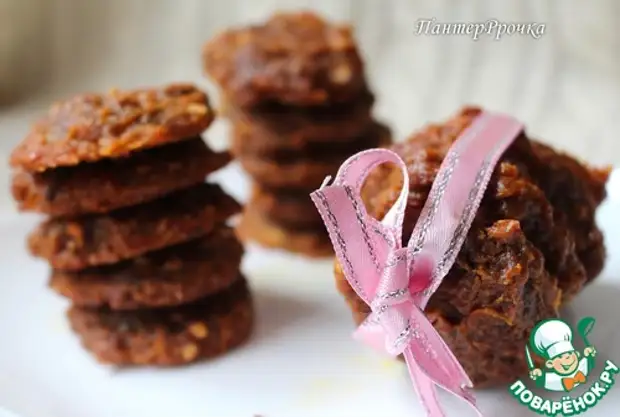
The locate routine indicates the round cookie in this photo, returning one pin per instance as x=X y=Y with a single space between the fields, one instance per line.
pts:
x=313 y=243
x=110 y=184
x=277 y=127
x=73 y=244
x=303 y=174
x=293 y=58
x=303 y=171
x=175 y=275
x=169 y=336
x=91 y=127
x=247 y=141
x=289 y=208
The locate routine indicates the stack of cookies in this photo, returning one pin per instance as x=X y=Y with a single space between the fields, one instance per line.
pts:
x=135 y=237
x=295 y=92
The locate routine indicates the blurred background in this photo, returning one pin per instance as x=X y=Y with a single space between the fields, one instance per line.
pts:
x=565 y=85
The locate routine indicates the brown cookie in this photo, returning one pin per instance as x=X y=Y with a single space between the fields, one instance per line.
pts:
x=275 y=127
x=73 y=244
x=313 y=243
x=246 y=142
x=293 y=58
x=110 y=184
x=175 y=275
x=308 y=171
x=167 y=336
x=306 y=174
x=290 y=208
x=91 y=127
x=587 y=190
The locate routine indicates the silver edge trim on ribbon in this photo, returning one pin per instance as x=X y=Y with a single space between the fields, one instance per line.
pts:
x=342 y=245
x=467 y=215
x=360 y=220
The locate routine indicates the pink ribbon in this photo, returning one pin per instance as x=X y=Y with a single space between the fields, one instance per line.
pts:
x=397 y=282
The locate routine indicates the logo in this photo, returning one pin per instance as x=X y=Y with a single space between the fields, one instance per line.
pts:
x=564 y=369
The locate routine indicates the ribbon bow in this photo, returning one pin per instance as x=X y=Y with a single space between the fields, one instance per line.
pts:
x=397 y=282
x=570 y=383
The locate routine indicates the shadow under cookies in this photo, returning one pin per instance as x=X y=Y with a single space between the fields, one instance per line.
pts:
x=275 y=312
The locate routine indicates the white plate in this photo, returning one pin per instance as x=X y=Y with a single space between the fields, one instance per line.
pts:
x=300 y=363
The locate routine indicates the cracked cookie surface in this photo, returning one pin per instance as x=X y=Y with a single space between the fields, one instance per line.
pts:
x=91 y=127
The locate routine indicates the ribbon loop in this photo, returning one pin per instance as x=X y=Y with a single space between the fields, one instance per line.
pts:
x=378 y=238
x=355 y=170
x=397 y=282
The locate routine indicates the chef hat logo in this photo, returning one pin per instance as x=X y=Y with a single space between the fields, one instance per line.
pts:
x=552 y=338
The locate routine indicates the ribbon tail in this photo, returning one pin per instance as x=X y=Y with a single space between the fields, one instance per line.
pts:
x=435 y=360
x=424 y=386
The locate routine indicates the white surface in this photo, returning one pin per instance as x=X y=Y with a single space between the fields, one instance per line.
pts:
x=300 y=363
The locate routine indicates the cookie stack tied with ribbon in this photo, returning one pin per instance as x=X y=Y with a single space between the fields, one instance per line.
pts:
x=296 y=95
x=483 y=234
x=137 y=240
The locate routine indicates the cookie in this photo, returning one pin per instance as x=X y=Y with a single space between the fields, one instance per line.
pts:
x=246 y=142
x=314 y=243
x=73 y=244
x=289 y=208
x=293 y=58
x=304 y=174
x=175 y=275
x=276 y=127
x=579 y=190
x=168 y=336
x=307 y=171
x=110 y=184
x=92 y=127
